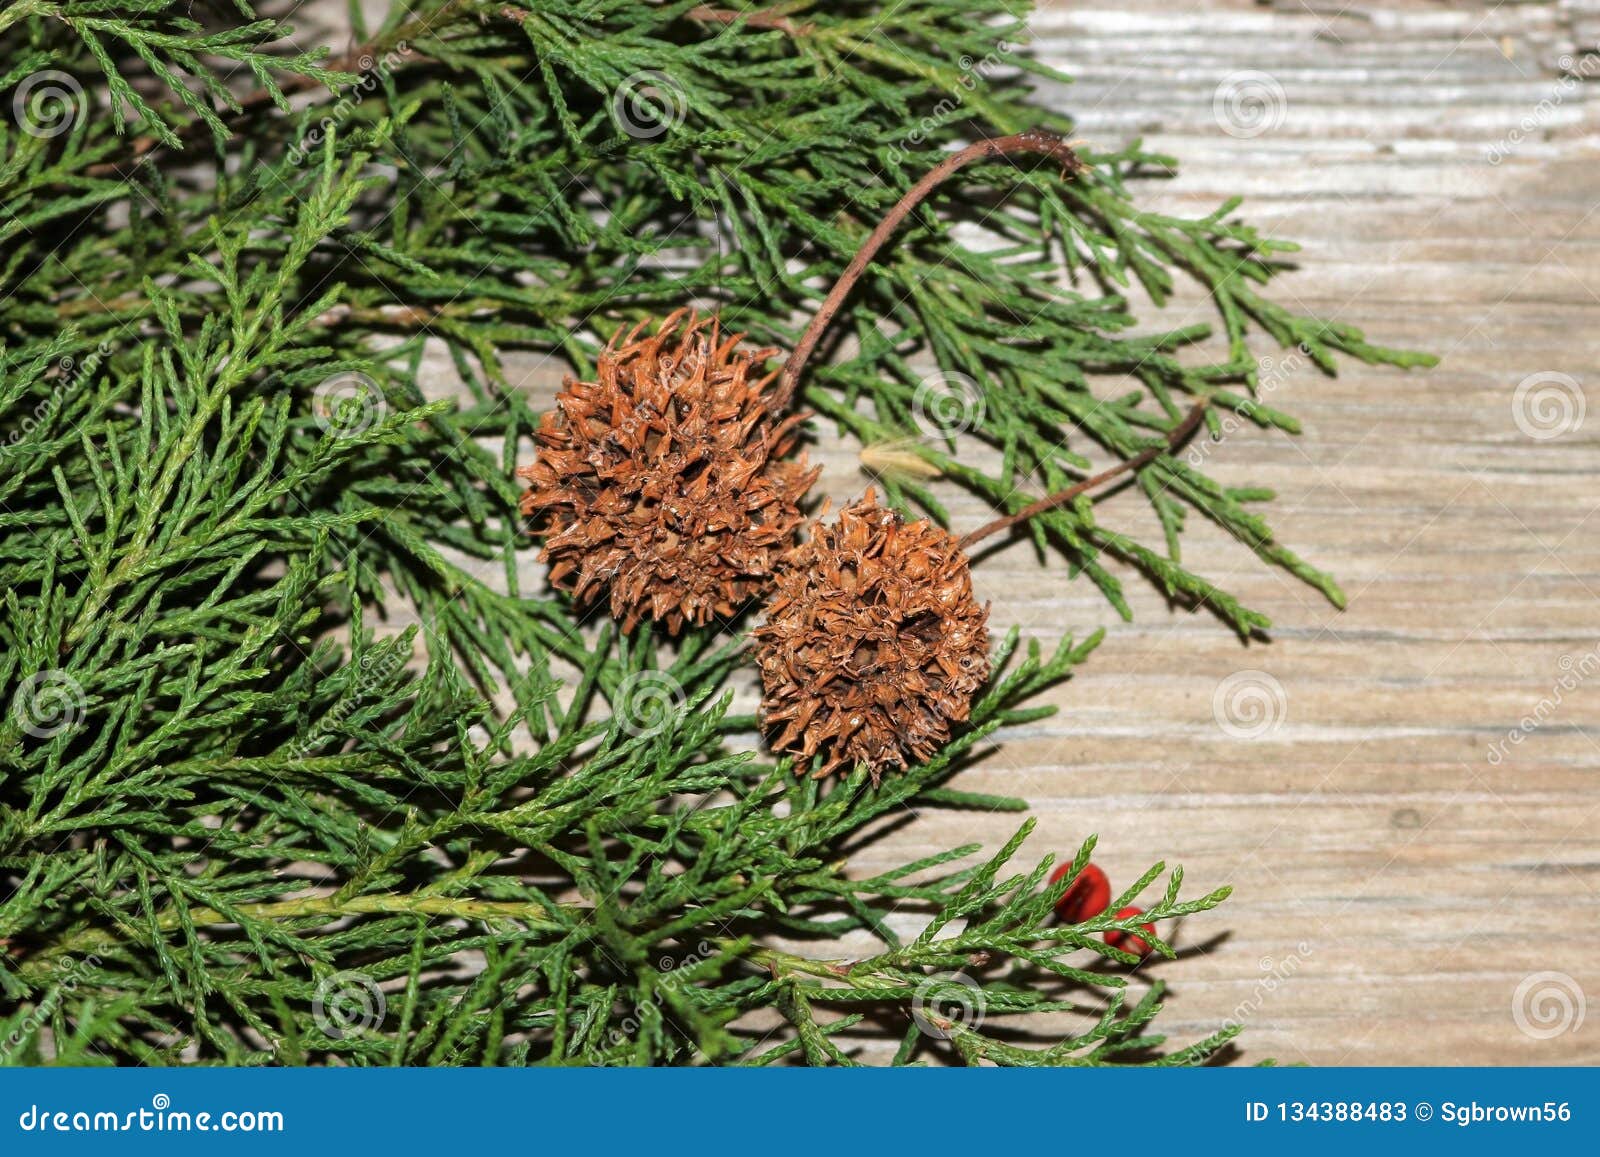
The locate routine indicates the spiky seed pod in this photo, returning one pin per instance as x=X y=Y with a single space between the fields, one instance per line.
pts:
x=664 y=483
x=873 y=644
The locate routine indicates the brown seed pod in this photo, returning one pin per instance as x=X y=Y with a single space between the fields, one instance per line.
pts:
x=662 y=484
x=873 y=644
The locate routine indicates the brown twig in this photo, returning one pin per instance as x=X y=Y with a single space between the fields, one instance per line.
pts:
x=395 y=316
x=350 y=62
x=145 y=145
x=1177 y=437
x=1032 y=141
x=765 y=18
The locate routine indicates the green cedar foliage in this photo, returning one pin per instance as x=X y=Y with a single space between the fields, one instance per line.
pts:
x=239 y=822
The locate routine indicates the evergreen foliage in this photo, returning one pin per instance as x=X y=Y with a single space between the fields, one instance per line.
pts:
x=241 y=824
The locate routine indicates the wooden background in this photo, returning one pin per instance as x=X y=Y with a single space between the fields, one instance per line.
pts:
x=1395 y=885
x=1409 y=883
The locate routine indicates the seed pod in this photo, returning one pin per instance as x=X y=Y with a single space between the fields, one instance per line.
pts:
x=873 y=644
x=662 y=485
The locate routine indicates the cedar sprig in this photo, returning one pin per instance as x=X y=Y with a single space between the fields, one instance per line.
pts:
x=719 y=204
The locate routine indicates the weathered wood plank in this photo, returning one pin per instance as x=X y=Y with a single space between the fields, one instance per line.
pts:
x=1369 y=834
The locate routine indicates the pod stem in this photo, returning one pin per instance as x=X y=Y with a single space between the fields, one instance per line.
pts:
x=1178 y=435
x=1031 y=141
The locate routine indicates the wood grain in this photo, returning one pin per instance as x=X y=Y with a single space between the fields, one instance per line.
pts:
x=1368 y=834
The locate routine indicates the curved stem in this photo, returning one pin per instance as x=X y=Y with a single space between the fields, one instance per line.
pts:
x=1178 y=435
x=1032 y=141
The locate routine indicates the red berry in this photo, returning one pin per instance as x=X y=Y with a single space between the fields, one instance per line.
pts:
x=1086 y=897
x=1127 y=941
